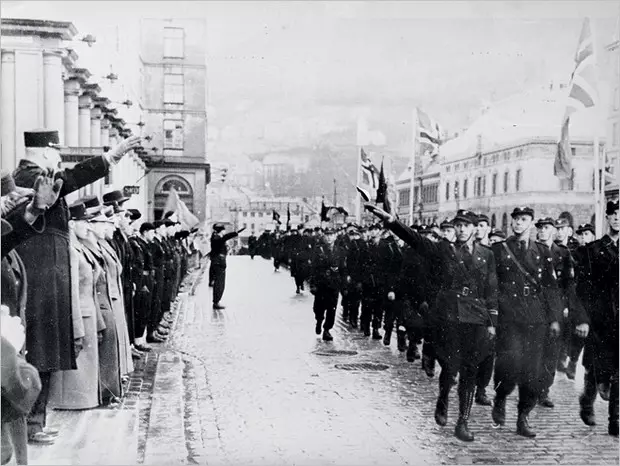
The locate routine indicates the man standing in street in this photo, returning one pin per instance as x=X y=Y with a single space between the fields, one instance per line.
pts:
x=46 y=258
x=219 y=250
x=466 y=308
x=252 y=245
x=529 y=308
x=598 y=289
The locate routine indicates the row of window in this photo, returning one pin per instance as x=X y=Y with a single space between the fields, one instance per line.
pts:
x=253 y=225
x=505 y=156
x=480 y=186
x=430 y=195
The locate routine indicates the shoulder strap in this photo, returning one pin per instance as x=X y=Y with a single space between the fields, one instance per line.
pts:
x=511 y=255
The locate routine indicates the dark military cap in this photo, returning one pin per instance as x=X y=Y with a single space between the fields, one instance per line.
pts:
x=424 y=229
x=181 y=234
x=545 y=221
x=561 y=222
x=522 y=211
x=146 y=226
x=114 y=196
x=218 y=227
x=6 y=227
x=483 y=218
x=581 y=229
x=77 y=211
x=446 y=224
x=465 y=216
x=497 y=232
x=434 y=225
x=317 y=228
x=159 y=223
x=41 y=138
x=375 y=226
x=90 y=201
x=134 y=214
x=612 y=206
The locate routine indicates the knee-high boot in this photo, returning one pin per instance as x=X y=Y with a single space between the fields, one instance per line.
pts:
x=586 y=399
x=441 y=410
x=461 y=431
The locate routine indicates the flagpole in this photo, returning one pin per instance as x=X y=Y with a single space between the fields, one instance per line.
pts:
x=599 y=184
x=358 y=199
x=412 y=164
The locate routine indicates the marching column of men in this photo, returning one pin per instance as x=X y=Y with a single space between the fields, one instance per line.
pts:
x=84 y=288
x=487 y=307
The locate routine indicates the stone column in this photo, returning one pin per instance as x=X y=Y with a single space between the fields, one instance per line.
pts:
x=53 y=93
x=105 y=132
x=113 y=138
x=85 y=104
x=95 y=127
x=72 y=92
x=7 y=110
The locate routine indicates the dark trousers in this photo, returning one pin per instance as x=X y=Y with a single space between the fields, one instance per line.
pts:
x=576 y=347
x=156 y=295
x=299 y=281
x=129 y=310
x=372 y=309
x=276 y=263
x=211 y=274
x=519 y=355
x=352 y=304
x=590 y=391
x=324 y=307
x=550 y=357
x=219 y=282
x=142 y=304
x=38 y=413
x=485 y=371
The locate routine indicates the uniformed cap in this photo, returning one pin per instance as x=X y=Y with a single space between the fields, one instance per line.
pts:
x=446 y=224
x=181 y=234
x=216 y=227
x=522 y=211
x=91 y=204
x=612 y=206
x=317 y=228
x=6 y=227
x=581 y=229
x=134 y=214
x=434 y=225
x=375 y=226
x=8 y=183
x=465 y=216
x=146 y=226
x=424 y=229
x=498 y=233
x=77 y=211
x=41 y=138
x=114 y=196
x=105 y=215
x=545 y=221
x=562 y=222
x=483 y=218
x=159 y=223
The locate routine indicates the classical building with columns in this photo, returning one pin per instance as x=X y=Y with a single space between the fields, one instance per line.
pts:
x=613 y=117
x=173 y=97
x=43 y=86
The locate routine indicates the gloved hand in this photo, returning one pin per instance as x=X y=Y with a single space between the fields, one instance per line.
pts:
x=391 y=296
x=554 y=328
x=12 y=329
x=46 y=192
x=582 y=330
x=117 y=153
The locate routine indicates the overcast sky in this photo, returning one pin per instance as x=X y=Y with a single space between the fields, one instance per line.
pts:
x=289 y=74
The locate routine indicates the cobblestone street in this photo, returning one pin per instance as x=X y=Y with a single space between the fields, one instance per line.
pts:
x=253 y=384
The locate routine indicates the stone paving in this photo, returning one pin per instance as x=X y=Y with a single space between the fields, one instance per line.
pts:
x=248 y=385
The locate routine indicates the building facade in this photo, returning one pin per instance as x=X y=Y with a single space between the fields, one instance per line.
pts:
x=173 y=59
x=425 y=194
x=613 y=116
x=46 y=85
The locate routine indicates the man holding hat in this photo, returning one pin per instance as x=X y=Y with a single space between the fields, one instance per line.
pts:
x=219 y=250
x=529 y=308
x=466 y=310
x=598 y=290
x=46 y=258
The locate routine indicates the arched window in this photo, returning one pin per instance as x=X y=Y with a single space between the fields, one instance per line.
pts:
x=465 y=188
x=493 y=221
x=506 y=182
x=163 y=189
x=518 y=181
x=505 y=222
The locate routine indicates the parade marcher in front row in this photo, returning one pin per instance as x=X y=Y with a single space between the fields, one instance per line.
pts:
x=219 y=250
x=529 y=309
x=598 y=289
x=574 y=315
x=467 y=301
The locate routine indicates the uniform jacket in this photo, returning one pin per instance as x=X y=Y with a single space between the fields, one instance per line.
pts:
x=520 y=300
x=468 y=291
x=564 y=267
x=325 y=271
x=219 y=249
x=22 y=230
x=49 y=329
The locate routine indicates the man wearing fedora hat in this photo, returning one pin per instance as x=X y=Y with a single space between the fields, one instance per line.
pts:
x=597 y=285
x=529 y=309
x=46 y=258
x=465 y=311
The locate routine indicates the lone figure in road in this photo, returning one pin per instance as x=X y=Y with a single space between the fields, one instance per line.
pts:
x=217 y=270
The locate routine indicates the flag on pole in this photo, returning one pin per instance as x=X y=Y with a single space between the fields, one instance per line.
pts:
x=276 y=217
x=288 y=216
x=430 y=134
x=324 y=211
x=582 y=94
x=363 y=193
x=382 y=187
x=176 y=208
x=369 y=171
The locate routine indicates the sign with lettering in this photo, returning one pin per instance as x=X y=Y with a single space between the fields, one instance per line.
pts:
x=131 y=190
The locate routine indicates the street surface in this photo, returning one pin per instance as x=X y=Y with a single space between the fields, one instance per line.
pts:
x=249 y=385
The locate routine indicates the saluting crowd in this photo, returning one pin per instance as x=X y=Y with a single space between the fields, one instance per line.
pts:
x=85 y=288
x=484 y=307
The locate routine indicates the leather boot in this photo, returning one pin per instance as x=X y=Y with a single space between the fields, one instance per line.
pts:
x=317 y=328
x=428 y=365
x=499 y=411
x=366 y=329
x=412 y=351
x=523 y=427
x=441 y=409
x=327 y=336
x=586 y=401
x=482 y=398
x=387 y=337
x=375 y=334
x=461 y=430
x=571 y=369
x=401 y=338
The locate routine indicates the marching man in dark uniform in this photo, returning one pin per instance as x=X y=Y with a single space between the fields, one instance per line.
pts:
x=252 y=245
x=598 y=289
x=467 y=302
x=529 y=308
x=218 y=253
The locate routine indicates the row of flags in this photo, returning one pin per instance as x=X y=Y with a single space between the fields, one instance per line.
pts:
x=325 y=210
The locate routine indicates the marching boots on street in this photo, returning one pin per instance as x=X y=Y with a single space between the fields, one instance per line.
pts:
x=218 y=253
x=467 y=301
x=598 y=290
x=529 y=309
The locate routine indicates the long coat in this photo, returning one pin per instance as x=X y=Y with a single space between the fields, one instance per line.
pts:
x=79 y=389
x=49 y=328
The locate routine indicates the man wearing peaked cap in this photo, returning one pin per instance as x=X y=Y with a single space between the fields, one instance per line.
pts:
x=564 y=234
x=46 y=259
x=466 y=315
x=597 y=286
x=483 y=229
x=530 y=308
x=585 y=233
x=448 y=231
x=114 y=196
